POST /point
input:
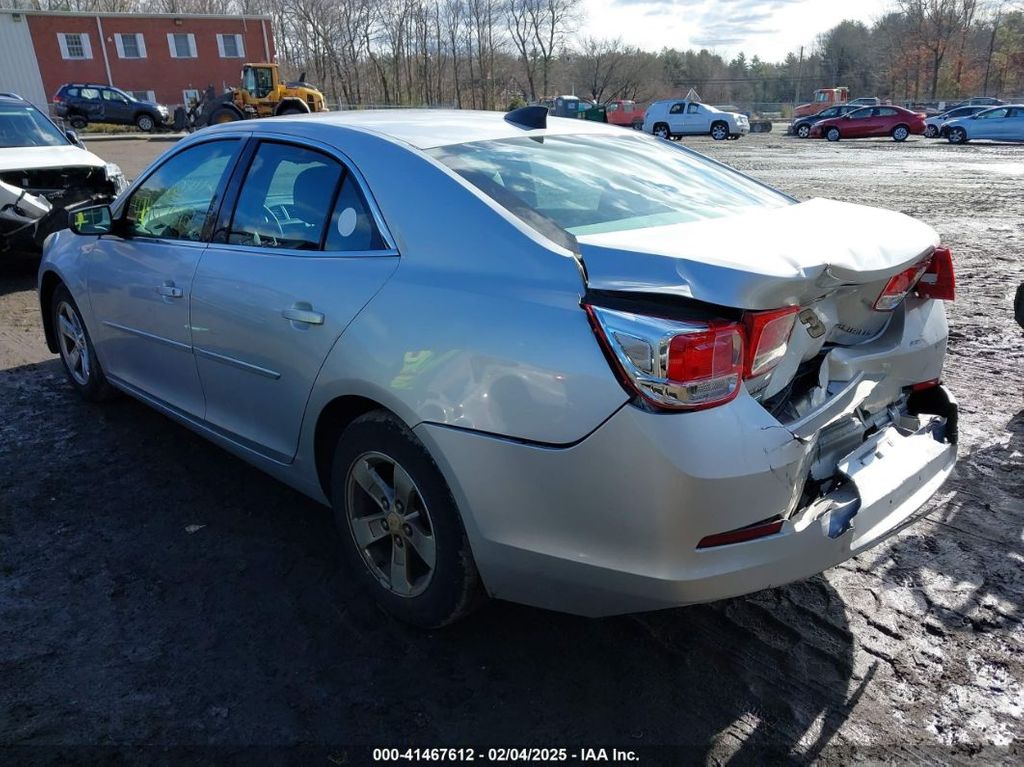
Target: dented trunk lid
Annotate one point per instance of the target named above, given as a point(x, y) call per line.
point(767, 258)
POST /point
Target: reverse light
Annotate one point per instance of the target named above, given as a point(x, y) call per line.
point(939, 280)
point(899, 285)
point(672, 364)
point(767, 338)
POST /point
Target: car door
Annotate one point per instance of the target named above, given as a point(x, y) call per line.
point(882, 121)
point(1015, 125)
point(677, 118)
point(90, 103)
point(858, 124)
point(116, 108)
point(298, 254)
point(989, 124)
point(140, 281)
point(697, 119)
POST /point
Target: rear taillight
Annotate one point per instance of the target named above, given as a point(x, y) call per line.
point(899, 285)
point(939, 280)
point(767, 338)
point(57, 99)
point(675, 365)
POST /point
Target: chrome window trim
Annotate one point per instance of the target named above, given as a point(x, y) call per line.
point(299, 253)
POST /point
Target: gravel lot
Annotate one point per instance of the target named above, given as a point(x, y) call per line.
point(119, 625)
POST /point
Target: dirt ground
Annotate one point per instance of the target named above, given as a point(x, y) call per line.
point(121, 623)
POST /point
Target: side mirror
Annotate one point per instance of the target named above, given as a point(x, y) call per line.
point(73, 137)
point(91, 221)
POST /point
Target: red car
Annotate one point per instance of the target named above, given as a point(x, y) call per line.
point(871, 121)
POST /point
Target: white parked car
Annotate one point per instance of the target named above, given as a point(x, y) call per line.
point(44, 174)
point(673, 118)
point(936, 126)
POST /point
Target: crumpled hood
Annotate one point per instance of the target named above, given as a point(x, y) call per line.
point(759, 259)
point(34, 157)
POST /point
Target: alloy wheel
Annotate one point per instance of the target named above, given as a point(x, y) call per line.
point(803, 131)
point(719, 132)
point(900, 133)
point(390, 524)
point(74, 349)
point(661, 132)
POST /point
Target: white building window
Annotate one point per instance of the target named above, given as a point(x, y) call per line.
point(231, 46)
point(74, 45)
point(189, 96)
point(130, 46)
point(182, 45)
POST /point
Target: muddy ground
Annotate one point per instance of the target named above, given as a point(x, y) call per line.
point(120, 626)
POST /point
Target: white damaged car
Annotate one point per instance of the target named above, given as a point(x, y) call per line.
point(45, 174)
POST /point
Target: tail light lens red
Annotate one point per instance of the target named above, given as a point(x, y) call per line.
point(933, 278)
point(673, 365)
point(939, 279)
point(753, 532)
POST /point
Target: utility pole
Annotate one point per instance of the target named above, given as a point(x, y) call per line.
point(991, 48)
point(799, 76)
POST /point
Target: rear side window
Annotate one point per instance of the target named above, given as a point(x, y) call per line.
point(886, 112)
point(352, 227)
point(90, 93)
point(285, 199)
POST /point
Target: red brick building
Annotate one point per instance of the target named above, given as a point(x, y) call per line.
point(162, 57)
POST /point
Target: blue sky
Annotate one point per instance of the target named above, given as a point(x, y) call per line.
point(768, 28)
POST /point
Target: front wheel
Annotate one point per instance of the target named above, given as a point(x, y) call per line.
point(957, 136)
point(661, 131)
point(900, 133)
point(145, 123)
point(401, 530)
point(832, 134)
point(931, 131)
point(76, 350)
point(803, 131)
point(719, 131)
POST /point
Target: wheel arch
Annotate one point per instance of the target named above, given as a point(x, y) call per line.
point(47, 286)
point(333, 419)
point(291, 103)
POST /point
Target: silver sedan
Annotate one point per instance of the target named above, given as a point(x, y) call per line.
point(543, 360)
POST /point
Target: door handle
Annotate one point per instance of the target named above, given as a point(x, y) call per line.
point(303, 312)
point(169, 291)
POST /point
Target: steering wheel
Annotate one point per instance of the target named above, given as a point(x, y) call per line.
point(270, 218)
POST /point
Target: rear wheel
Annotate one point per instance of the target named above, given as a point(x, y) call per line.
point(931, 131)
point(957, 136)
point(78, 122)
point(661, 131)
point(832, 134)
point(900, 133)
point(803, 130)
point(402, 532)
point(145, 123)
point(719, 131)
point(76, 350)
point(222, 115)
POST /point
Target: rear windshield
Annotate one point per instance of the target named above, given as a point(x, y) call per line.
point(594, 184)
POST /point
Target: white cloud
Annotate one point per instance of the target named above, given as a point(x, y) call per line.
point(767, 28)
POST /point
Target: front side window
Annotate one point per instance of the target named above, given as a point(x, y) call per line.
point(693, 109)
point(175, 201)
point(594, 184)
point(285, 199)
point(115, 96)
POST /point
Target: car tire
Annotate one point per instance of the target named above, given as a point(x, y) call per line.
point(900, 133)
point(832, 134)
point(78, 122)
point(74, 344)
point(803, 130)
point(931, 131)
point(957, 136)
point(389, 544)
point(292, 111)
point(145, 123)
point(661, 131)
point(719, 131)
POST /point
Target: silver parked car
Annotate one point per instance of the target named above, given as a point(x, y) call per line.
point(514, 357)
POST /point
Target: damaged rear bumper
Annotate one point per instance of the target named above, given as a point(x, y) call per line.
point(612, 524)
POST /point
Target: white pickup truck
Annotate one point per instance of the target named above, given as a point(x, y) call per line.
point(672, 118)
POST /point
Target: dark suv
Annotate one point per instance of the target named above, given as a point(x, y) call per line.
point(84, 103)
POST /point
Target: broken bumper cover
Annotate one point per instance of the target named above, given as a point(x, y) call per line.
point(612, 524)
